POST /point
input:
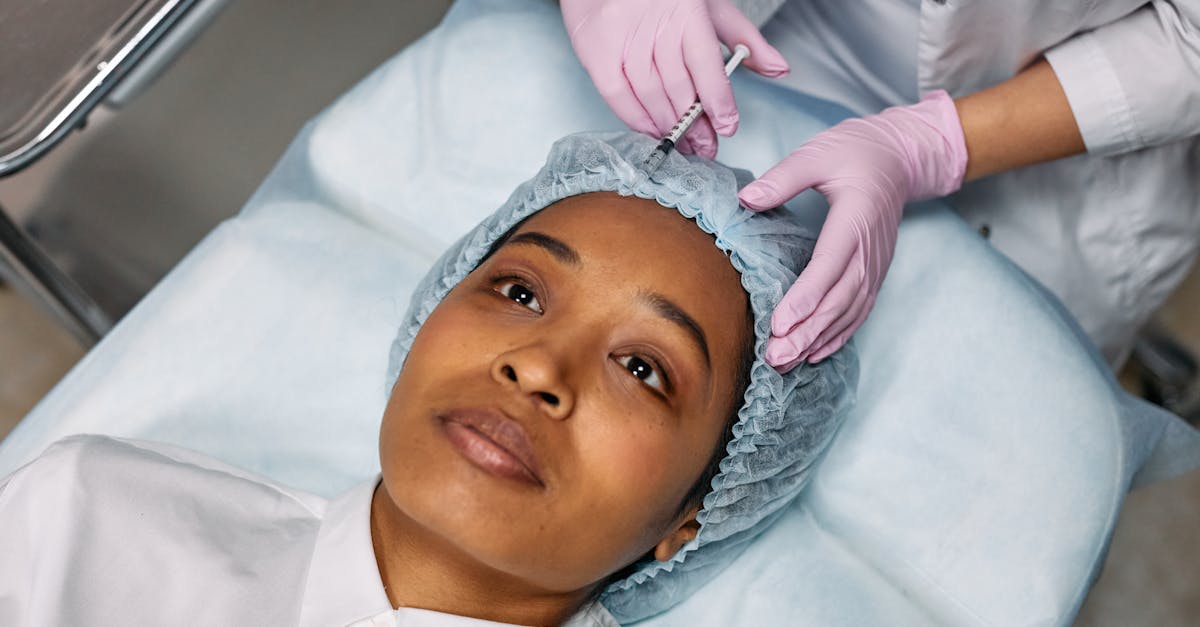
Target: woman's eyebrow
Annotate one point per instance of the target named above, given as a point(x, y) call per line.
point(672, 312)
point(661, 304)
point(555, 247)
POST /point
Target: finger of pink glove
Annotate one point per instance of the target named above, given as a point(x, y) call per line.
point(838, 342)
point(702, 53)
point(828, 340)
point(780, 364)
point(646, 56)
point(677, 83)
point(796, 173)
point(783, 356)
point(703, 138)
point(827, 349)
point(828, 266)
point(734, 28)
point(783, 353)
point(685, 147)
point(806, 336)
point(615, 90)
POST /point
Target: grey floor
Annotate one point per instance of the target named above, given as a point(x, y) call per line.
point(122, 201)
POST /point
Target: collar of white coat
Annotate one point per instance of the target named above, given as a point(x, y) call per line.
point(344, 587)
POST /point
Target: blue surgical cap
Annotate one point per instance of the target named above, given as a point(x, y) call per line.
point(786, 421)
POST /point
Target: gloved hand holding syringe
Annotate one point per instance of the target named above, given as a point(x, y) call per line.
point(667, 144)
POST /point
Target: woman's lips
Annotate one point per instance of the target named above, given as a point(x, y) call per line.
point(493, 442)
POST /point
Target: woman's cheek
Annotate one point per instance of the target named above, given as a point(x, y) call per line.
point(639, 461)
point(454, 332)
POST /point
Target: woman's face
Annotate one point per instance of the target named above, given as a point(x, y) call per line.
point(559, 403)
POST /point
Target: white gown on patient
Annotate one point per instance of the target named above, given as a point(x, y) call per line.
point(101, 531)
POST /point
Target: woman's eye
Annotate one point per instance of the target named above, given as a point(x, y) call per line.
point(643, 370)
point(520, 294)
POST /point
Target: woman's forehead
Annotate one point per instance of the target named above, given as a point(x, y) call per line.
point(637, 233)
point(637, 225)
point(636, 247)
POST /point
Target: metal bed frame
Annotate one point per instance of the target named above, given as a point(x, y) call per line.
point(108, 51)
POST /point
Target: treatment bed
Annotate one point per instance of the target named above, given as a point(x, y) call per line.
point(976, 482)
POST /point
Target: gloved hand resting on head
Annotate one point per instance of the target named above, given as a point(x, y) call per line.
point(650, 60)
point(867, 168)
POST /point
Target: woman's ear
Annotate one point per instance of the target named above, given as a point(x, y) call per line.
point(683, 533)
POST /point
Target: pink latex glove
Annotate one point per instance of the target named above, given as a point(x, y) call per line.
point(867, 168)
point(650, 58)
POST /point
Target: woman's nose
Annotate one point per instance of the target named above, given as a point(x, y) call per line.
point(535, 373)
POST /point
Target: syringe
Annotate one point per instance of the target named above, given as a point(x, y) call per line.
point(664, 147)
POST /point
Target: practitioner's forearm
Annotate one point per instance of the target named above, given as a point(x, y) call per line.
point(1019, 122)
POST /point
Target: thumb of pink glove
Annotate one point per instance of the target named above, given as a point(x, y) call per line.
point(867, 168)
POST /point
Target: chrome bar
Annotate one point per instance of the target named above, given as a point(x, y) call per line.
point(32, 271)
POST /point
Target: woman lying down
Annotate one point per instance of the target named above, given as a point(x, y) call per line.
point(583, 431)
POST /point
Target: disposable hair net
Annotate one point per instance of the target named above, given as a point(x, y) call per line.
point(786, 421)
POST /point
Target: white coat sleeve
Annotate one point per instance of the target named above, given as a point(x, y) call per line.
point(1134, 82)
